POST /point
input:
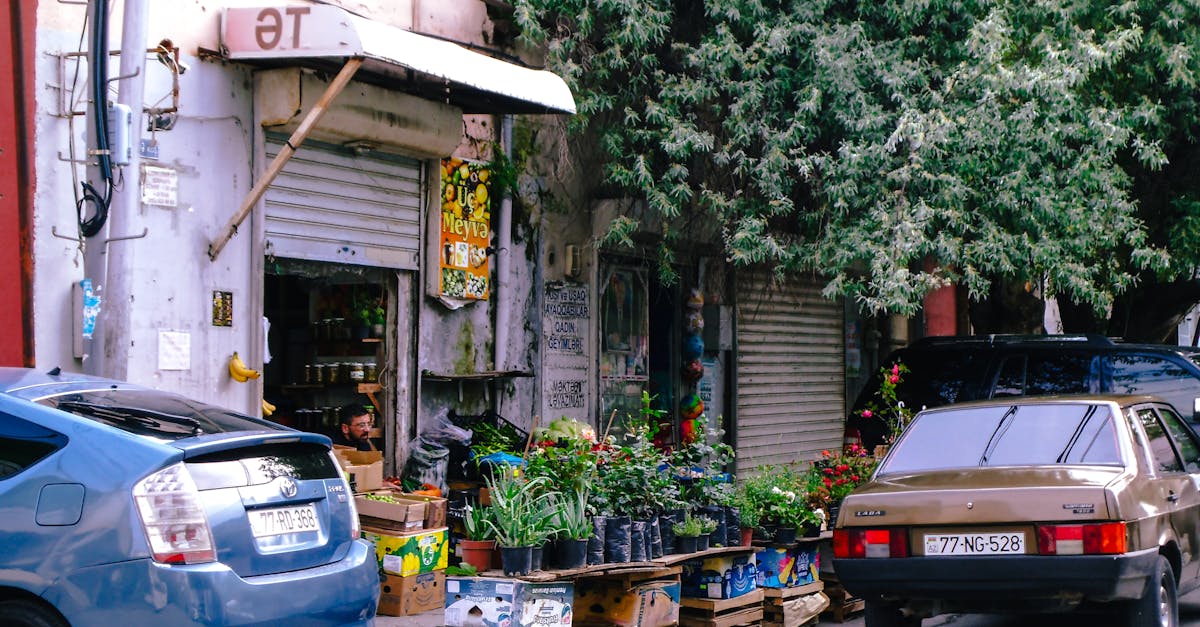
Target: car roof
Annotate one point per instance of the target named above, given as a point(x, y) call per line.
point(953, 342)
point(31, 383)
point(1122, 400)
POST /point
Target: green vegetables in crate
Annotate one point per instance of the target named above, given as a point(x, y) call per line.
point(487, 439)
point(566, 429)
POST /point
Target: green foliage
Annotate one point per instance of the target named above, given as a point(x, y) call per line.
point(893, 146)
point(692, 526)
point(700, 466)
point(476, 521)
point(522, 516)
point(631, 479)
point(889, 409)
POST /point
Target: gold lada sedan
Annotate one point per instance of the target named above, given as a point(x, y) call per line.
point(1028, 505)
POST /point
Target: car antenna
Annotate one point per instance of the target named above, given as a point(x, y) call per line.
point(55, 371)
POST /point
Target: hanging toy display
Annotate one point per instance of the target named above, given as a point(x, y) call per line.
point(695, 300)
point(693, 346)
point(690, 407)
point(693, 370)
point(694, 322)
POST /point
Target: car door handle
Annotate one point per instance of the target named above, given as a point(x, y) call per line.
point(1172, 497)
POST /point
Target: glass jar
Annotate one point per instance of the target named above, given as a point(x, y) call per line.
point(318, 373)
point(357, 372)
point(333, 373)
point(308, 374)
point(370, 373)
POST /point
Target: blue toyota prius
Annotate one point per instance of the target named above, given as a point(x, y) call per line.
point(124, 505)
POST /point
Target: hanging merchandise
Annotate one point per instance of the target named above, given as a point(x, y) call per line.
point(695, 300)
point(693, 370)
point(693, 346)
point(694, 321)
point(691, 407)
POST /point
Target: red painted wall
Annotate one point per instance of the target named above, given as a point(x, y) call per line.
point(17, 29)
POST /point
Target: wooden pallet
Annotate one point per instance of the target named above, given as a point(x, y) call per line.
point(841, 604)
point(744, 610)
point(775, 598)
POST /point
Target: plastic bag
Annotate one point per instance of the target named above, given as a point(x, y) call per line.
point(443, 431)
point(427, 463)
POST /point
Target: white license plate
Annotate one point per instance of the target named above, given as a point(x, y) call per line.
point(1010, 543)
point(279, 520)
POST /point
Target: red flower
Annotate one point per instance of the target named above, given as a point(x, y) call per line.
point(895, 369)
point(894, 378)
point(828, 471)
point(843, 467)
point(866, 413)
point(854, 477)
point(828, 483)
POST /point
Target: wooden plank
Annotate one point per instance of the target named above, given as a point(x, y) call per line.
point(748, 616)
point(842, 611)
point(677, 558)
point(721, 605)
point(779, 595)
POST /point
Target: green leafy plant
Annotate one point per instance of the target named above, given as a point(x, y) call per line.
point(477, 523)
point(699, 466)
point(707, 525)
point(572, 519)
point(522, 516)
point(690, 527)
point(631, 477)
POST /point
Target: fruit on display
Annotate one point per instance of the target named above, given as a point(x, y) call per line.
point(239, 370)
point(267, 408)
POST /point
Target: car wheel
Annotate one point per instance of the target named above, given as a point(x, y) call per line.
point(880, 614)
point(25, 613)
point(1159, 605)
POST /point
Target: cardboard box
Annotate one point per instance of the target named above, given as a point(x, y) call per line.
point(406, 596)
point(409, 553)
point(609, 602)
point(779, 567)
point(400, 515)
point(406, 512)
point(720, 577)
point(492, 602)
point(364, 469)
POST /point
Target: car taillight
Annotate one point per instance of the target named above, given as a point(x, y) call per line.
point(1093, 539)
point(355, 528)
point(173, 517)
point(854, 542)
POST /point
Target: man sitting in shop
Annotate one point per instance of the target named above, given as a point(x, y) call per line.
point(356, 424)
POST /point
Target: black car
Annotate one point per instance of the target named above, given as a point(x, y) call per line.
point(945, 370)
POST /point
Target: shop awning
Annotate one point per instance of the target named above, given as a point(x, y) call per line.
point(324, 37)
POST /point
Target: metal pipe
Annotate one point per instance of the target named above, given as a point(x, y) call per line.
point(95, 261)
point(503, 256)
point(116, 311)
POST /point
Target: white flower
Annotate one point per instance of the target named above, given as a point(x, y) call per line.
point(820, 513)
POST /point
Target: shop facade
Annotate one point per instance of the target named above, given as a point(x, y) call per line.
point(352, 258)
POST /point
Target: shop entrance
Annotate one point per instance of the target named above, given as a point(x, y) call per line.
point(329, 344)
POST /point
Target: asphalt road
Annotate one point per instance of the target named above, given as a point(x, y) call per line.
point(1189, 616)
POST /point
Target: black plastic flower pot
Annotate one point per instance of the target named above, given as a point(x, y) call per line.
point(716, 513)
point(516, 560)
point(656, 546)
point(686, 544)
point(733, 526)
point(666, 531)
point(572, 553)
point(595, 544)
point(702, 542)
point(617, 539)
point(637, 541)
point(535, 557)
point(785, 535)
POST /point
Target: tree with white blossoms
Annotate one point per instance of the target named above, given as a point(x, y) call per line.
point(895, 146)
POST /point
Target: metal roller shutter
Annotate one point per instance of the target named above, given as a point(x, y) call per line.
point(790, 371)
point(332, 204)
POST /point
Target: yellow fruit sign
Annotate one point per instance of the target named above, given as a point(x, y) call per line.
point(466, 229)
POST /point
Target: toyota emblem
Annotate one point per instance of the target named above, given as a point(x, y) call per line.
point(287, 487)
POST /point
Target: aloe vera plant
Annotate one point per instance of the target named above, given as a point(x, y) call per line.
point(522, 517)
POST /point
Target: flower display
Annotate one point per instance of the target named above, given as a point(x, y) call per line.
point(835, 475)
point(888, 407)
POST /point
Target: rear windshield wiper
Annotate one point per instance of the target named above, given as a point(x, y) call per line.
point(137, 415)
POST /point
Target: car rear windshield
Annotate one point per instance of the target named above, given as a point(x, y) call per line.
point(1014, 435)
point(155, 414)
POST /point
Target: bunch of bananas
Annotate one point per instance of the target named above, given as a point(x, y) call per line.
point(267, 408)
point(239, 370)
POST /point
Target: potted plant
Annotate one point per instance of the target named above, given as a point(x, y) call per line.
point(707, 526)
point(479, 544)
point(687, 534)
point(518, 519)
point(575, 528)
point(835, 475)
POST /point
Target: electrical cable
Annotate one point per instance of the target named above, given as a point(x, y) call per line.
point(90, 226)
